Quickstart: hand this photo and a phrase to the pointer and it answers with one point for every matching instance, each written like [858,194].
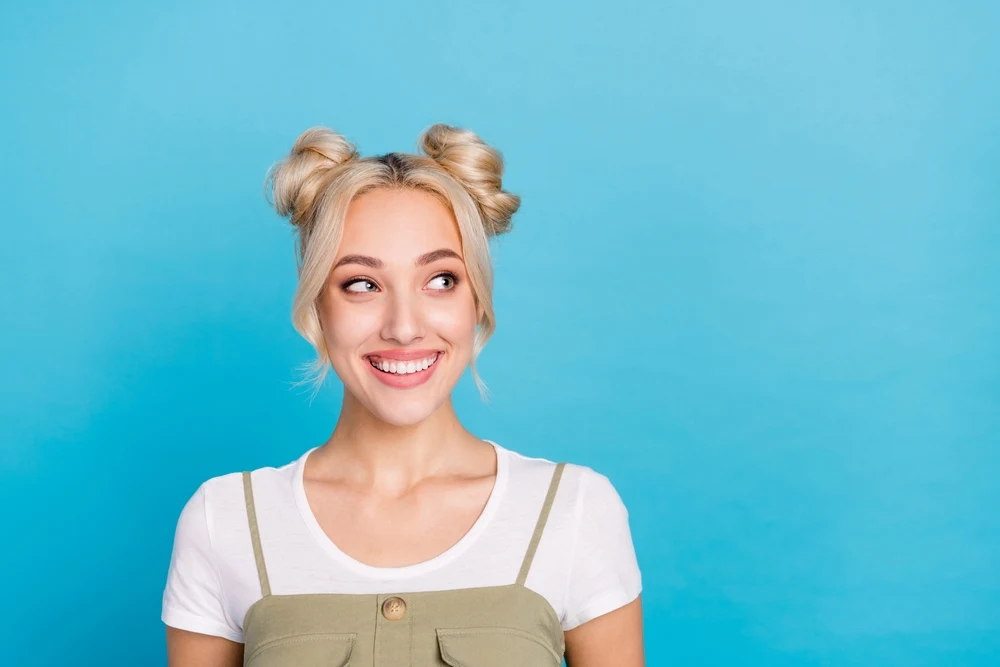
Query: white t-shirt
[585,564]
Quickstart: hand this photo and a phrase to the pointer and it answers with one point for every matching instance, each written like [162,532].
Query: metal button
[394,608]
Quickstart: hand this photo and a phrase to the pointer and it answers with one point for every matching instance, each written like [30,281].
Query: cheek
[349,324]
[343,325]
[455,319]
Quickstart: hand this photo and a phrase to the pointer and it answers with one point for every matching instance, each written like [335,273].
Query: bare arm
[614,638]
[192,649]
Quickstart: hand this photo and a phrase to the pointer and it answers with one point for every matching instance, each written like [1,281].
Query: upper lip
[403,355]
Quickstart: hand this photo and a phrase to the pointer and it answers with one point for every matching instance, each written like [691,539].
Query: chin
[404,413]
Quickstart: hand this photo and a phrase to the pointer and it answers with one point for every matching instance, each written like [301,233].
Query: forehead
[398,224]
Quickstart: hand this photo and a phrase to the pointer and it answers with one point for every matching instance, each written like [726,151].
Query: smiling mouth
[404,368]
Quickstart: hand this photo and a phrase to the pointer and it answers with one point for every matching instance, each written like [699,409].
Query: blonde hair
[314,185]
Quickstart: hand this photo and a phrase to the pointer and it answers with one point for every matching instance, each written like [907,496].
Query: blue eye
[356,281]
[448,276]
[368,282]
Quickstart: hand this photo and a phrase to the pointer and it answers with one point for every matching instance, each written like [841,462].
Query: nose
[403,319]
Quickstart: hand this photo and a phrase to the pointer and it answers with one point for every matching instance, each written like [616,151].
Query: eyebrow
[376,263]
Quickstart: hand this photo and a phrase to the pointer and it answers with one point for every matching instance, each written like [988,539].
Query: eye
[365,282]
[446,277]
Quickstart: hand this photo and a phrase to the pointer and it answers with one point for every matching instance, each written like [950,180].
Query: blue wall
[755,281]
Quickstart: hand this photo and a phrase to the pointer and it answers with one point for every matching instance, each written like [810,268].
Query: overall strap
[258,553]
[543,516]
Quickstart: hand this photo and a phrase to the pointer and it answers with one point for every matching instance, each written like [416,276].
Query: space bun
[477,167]
[296,181]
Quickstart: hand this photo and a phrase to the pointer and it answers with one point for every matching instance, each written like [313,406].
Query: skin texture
[612,639]
[400,480]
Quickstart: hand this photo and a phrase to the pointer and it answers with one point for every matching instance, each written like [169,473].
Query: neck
[388,459]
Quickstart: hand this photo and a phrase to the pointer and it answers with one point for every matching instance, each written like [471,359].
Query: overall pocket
[322,649]
[495,647]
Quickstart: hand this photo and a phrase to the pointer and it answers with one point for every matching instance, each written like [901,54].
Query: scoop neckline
[443,558]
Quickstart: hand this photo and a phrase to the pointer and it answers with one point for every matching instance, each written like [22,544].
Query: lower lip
[405,381]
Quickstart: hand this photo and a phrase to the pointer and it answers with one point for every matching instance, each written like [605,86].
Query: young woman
[404,540]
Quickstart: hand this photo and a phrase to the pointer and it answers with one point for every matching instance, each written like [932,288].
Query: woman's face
[399,296]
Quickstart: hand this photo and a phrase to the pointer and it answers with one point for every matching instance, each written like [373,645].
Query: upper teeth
[402,367]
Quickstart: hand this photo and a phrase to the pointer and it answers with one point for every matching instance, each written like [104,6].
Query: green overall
[491,626]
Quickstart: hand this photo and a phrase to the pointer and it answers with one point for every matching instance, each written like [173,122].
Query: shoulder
[576,480]
[212,572]
[220,501]
[586,563]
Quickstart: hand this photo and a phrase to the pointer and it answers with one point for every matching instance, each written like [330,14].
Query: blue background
[754,281]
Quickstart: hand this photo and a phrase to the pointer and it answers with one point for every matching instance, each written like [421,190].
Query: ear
[479,312]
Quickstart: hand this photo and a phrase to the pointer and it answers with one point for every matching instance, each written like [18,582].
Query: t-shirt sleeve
[604,573]
[193,598]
